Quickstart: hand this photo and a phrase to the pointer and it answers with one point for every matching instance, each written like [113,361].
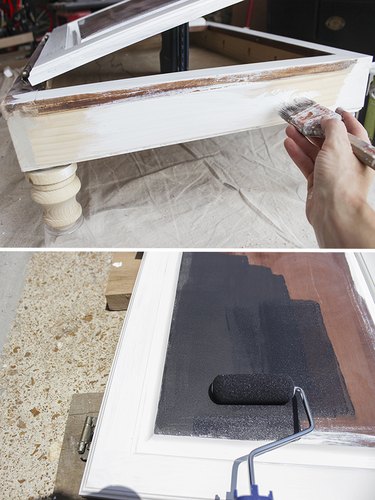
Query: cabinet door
[115,27]
[133,457]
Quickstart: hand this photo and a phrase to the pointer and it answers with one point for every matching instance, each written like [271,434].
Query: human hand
[337,183]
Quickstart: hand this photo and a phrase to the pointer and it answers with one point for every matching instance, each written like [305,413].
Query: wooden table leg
[56,189]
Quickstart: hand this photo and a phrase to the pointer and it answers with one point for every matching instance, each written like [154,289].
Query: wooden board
[121,279]
[71,467]
[13,41]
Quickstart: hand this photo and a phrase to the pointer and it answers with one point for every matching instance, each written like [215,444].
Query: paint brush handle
[364,151]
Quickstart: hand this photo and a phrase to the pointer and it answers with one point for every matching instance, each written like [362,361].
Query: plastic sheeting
[239,190]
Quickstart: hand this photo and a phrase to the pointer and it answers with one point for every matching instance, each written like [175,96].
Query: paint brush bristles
[306,116]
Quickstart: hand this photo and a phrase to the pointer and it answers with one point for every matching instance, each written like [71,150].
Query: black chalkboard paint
[233,317]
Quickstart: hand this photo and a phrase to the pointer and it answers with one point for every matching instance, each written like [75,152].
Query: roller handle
[254,495]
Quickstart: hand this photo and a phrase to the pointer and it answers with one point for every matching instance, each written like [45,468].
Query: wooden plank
[121,279]
[14,59]
[71,467]
[137,60]
[249,49]
[13,41]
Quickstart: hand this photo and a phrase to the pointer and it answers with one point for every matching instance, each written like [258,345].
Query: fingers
[310,149]
[352,125]
[300,158]
[336,136]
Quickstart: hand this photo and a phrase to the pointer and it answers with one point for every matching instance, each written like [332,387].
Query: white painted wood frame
[67,47]
[127,460]
[61,126]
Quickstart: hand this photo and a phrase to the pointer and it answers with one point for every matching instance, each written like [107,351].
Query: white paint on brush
[291,41]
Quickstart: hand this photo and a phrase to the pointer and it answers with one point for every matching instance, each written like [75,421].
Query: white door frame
[127,460]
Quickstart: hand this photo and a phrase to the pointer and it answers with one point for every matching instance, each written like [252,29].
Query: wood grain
[71,467]
[248,48]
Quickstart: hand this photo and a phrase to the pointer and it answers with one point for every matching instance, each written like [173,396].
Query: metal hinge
[86,437]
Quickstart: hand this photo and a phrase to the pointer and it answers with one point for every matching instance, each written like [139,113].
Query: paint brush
[305,114]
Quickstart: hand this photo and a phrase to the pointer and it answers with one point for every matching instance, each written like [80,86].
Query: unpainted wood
[56,189]
[13,41]
[142,59]
[64,125]
[122,275]
[241,49]
[71,467]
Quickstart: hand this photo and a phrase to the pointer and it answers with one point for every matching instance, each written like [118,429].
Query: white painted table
[239,79]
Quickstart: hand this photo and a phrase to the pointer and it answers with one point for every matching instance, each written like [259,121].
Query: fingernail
[340,111]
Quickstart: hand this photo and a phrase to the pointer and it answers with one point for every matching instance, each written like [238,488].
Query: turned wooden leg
[56,189]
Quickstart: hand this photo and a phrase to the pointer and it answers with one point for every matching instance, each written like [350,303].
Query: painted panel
[137,463]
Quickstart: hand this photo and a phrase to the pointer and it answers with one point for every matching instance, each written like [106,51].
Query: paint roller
[259,389]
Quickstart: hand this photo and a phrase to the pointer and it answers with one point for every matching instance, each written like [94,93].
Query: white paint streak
[348,437]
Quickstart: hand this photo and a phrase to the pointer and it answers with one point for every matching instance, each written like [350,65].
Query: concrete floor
[61,342]
[13,266]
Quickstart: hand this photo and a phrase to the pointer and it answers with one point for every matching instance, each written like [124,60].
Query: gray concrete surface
[61,343]
[12,276]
